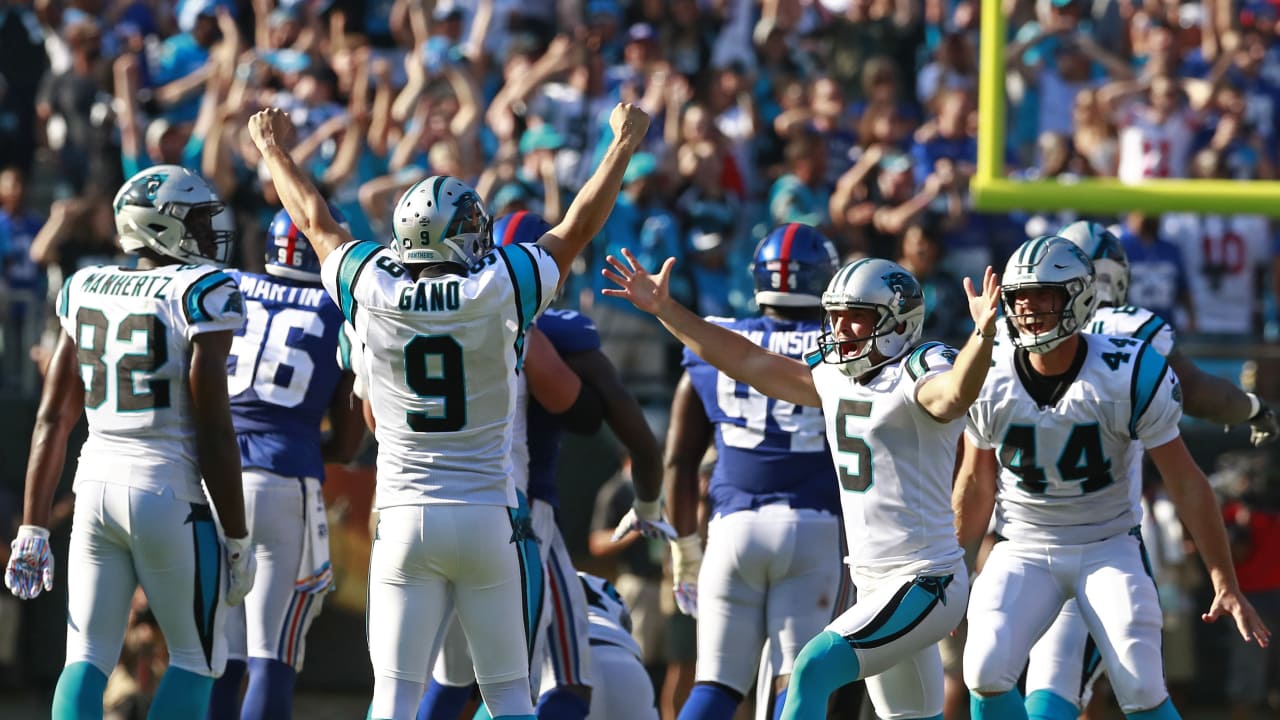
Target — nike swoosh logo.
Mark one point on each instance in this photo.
(1060, 267)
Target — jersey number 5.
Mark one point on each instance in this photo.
(857, 475)
(433, 371)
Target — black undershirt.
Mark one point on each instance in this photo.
(1047, 390)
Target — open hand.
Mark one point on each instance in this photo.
(983, 308)
(1233, 603)
(647, 292)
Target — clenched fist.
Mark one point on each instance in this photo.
(628, 122)
(271, 127)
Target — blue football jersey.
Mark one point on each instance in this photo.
(282, 372)
(770, 451)
(570, 332)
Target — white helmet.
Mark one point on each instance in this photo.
(441, 219)
(1110, 263)
(172, 211)
(1055, 262)
(888, 289)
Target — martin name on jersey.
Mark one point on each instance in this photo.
(441, 355)
(1123, 391)
(133, 332)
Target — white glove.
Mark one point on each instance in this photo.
(646, 517)
(30, 568)
(686, 562)
(243, 566)
(1263, 427)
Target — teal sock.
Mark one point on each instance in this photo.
(1005, 706)
(826, 663)
(482, 713)
(182, 695)
(1049, 705)
(1163, 711)
(79, 692)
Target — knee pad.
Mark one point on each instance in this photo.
(79, 692)
(1048, 705)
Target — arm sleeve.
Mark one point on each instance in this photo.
(534, 278)
(1155, 399)
(212, 303)
(361, 273)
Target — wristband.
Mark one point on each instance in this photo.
(978, 333)
(33, 531)
(648, 509)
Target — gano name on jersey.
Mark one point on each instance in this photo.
(769, 450)
(1051, 457)
(133, 331)
(282, 372)
(441, 355)
(894, 463)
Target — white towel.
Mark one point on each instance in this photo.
(315, 575)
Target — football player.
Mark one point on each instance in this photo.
(1063, 410)
(143, 353)
(774, 497)
(623, 689)
(1064, 663)
(283, 377)
(891, 407)
(442, 317)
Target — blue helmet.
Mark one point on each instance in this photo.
(289, 253)
(792, 266)
(521, 226)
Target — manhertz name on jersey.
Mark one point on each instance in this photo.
(441, 355)
(894, 464)
(769, 451)
(133, 332)
(282, 372)
(1064, 475)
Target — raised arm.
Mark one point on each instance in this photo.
(772, 374)
(272, 130)
(590, 209)
(948, 395)
(1198, 508)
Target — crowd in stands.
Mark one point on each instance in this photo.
(858, 117)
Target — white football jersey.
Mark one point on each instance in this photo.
(441, 356)
(608, 614)
(1222, 255)
(1133, 322)
(1064, 470)
(1153, 150)
(894, 462)
(133, 331)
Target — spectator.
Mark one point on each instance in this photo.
(88, 156)
(802, 195)
(1226, 257)
(1156, 129)
(24, 279)
(1094, 136)
(946, 314)
(1158, 275)
(22, 64)
(954, 67)
(183, 62)
(949, 137)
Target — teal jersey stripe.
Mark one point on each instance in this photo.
(193, 299)
(349, 271)
(916, 364)
(1148, 373)
(527, 279)
(64, 298)
(344, 350)
(1150, 328)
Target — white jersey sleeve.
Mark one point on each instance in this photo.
(1156, 404)
(1134, 322)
